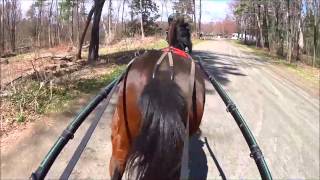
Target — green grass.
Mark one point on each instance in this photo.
(20, 118)
(196, 41)
(306, 74)
(156, 44)
(32, 97)
(94, 85)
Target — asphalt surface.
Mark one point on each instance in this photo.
(283, 117)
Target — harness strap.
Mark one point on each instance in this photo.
(184, 172)
(171, 64)
(163, 55)
(160, 60)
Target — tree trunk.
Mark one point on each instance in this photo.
(1, 19)
(49, 25)
(299, 34)
(166, 8)
(94, 42)
(194, 15)
(315, 38)
(124, 2)
(245, 36)
(72, 35)
(260, 27)
(109, 19)
(200, 13)
(162, 2)
(255, 23)
(277, 33)
(105, 28)
(141, 21)
(117, 19)
(85, 31)
(289, 38)
(78, 23)
(13, 25)
(266, 26)
(2, 32)
(58, 23)
(39, 25)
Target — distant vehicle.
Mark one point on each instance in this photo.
(234, 36)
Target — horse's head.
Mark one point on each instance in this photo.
(179, 33)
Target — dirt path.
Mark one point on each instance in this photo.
(283, 117)
(24, 155)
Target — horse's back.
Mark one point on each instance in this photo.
(141, 73)
(127, 120)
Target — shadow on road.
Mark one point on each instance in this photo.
(197, 158)
(198, 164)
(217, 65)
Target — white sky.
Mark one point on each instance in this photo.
(212, 10)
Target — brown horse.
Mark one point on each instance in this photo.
(150, 120)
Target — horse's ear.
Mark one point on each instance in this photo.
(171, 33)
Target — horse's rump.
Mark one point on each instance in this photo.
(149, 122)
(158, 147)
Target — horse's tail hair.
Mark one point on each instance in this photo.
(156, 152)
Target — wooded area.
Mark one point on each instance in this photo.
(50, 23)
(289, 28)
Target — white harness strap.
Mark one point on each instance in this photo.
(163, 55)
(171, 64)
(184, 171)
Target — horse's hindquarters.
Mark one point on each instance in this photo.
(127, 122)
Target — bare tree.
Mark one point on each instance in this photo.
(11, 21)
(58, 23)
(117, 17)
(287, 28)
(109, 19)
(72, 18)
(39, 22)
(50, 25)
(194, 14)
(123, 5)
(258, 19)
(141, 21)
(2, 27)
(78, 22)
(94, 42)
(200, 13)
(316, 9)
(89, 17)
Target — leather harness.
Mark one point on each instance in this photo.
(184, 171)
(167, 51)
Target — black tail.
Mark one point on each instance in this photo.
(157, 151)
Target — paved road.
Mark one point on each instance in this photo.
(283, 117)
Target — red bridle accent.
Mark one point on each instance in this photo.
(176, 51)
